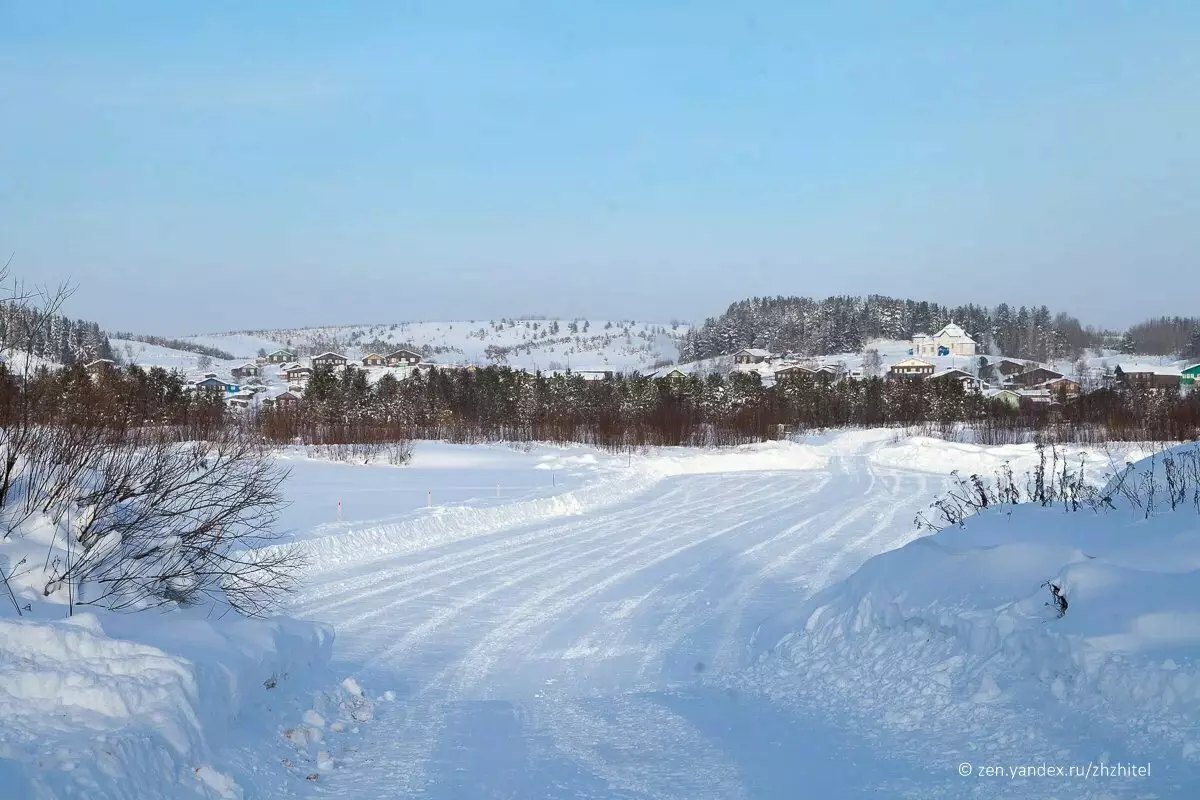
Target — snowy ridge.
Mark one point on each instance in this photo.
(546, 344)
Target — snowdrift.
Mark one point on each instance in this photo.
(956, 647)
(138, 705)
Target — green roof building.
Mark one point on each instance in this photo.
(1191, 375)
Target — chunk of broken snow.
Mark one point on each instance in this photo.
(351, 686)
(324, 762)
(313, 719)
(223, 785)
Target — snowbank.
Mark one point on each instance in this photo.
(926, 454)
(954, 646)
(137, 706)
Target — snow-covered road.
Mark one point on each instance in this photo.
(570, 658)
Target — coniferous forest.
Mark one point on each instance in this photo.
(845, 324)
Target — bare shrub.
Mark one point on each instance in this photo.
(158, 521)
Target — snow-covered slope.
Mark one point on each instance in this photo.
(546, 344)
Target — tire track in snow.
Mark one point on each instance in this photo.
(355, 592)
(570, 539)
(596, 545)
(417, 738)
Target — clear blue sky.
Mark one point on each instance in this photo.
(215, 165)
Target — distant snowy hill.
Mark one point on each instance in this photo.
(546, 344)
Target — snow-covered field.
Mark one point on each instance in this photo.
(763, 621)
(545, 344)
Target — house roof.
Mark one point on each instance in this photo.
(404, 351)
(99, 361)
(757, 352)
(1156, 369)
(371, 355)
(794, 368)
(280, 350)
(1192, 370)
(952, 371)
(330, 353)
(912, 362)
(299, 368)
(250, 364)
(286, 396)
(954, 332)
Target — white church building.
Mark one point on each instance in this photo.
(949, 341)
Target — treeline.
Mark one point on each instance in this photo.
(177, 344)
(49, 336)
(498, 404)
(807, 326)
(1164, 336)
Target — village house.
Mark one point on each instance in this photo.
(1035, 377)
(1145, 376)
(593, 374)
(298, 374)
(674, 376)
(240, 399)
(374, 360)
(1004, 369)
(951, 340)
(247, 370)
(749, 356)
(1007, 396)
(827, 373)
(280, 357)
(401, 358)
(1034, 398)
(99, 365)
(286, 401)
(330, 360)
(1061, 387)
(212, 382)
(1190, 376)
(911, 369)
(794, 373)
(965, 379)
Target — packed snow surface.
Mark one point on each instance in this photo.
(756, 622)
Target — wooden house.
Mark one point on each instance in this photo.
(330, 360)
(286, 401)
(1007, 396)
(793, 373)
(374, 360)
(1035, 377)
(99, 365)
(1148, 377)
(213, 383)
(911, 369)
(1190, 376)
(1062, 387)
(298, 374)
(403, 358)
(965, 379)
(593, 374)
(750, 355)
(247, 370)
(280, 357)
